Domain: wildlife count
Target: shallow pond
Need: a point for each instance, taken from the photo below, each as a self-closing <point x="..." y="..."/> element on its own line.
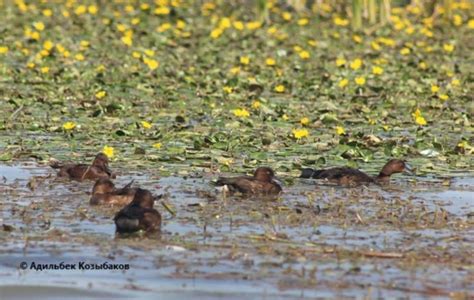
<point x="412" y="238"/>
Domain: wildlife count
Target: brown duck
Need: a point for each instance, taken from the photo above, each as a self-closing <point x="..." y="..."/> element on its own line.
<point x="139" y="214"/>
<point x="104" y="192"/>
<point x="98" y="169"/>
<point x="350" y="176"/>
<point x="262" y="182"/>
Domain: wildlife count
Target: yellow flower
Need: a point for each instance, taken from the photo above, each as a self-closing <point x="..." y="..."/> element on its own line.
<point x="343" y="83"/>
<point x="241" y="113"/>
<point x="92" y="9"/>
<point x="340" y="130"/>
<point x="109" y="151"/>
<point x="146" y="125"/>
<point x="3" y="49"/>
<point x="304" y="121"/>
<point x="443" y="97"/>
<point x="434" y="88"/>
<point x="375" y="46"/>
<point x="69" y="125"/>
<point x="47" y="12"/>
<point x="127" y="40"/>
<point x="470" y="24"/>
<point x="376" y="70"/>
<point x="180" y="24"/>
<point x="304" y="54"/>
<point x="245" y="60"/>
<point x="256" y="104"/>
<point x="340" y="61"/>
<point x="100" y="94"/>
<point x="457" y="20"/>
<point x="163" y="27"/>
<point x="356" y="64"/>
<point x="48" y="45"/>
<point x="448" y="48"/>
<point x="238" y="25"/>
<point x="44" y="70"/>
<point x="455" y="82"/>
<point x="157" y="145"/>
<point x="163" y="10"/>
<point x="136" y="54"/>
<point x="285" y="117"/>
<point x="280" y="88"/>
<point x="422" y="65"/>
<point x="312" y="43"/>
<point x="340" y="21"/>
<point x="151" y="63"/>
<point x="79" y="57"/>
<point x="228" y="89"/>
<point x="253" y="25"/>
<point x="360" y="80"/>
<point x="234" y="70"/>
<point x="419" y="119"/>
<point x="270" y="62"/>
<point x="39" y="26"/>
<point x="405" y="51"/>
<point x="216" y="33"/>
<point x="300" y="133"/>
<point x="357" y="38"/>
<point x="149" y="52"/>
<point x="286" y="16"/>
<point x="303" y="22"/>
<point x="81" y="9"/>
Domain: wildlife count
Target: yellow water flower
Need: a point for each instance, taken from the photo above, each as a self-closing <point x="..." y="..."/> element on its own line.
<point x="109" y="151"/>
<point x="343" y="83"/>
<point x="44" y="70"/>
<point x="81" y="9"/>
<point x="304" y="54"/>
<point x="79" y="57"/>
<point x="303" y="22"/>
<point x="241" y="113"/>
<point x="340" y="61"/>
<point x="280" y="88"/>
<point x="340" y="21"/>
<point x="455" y="82"/>
<point x="100" y="94"/>
<point x="238" y="25"/>
<point x="256" y="104"/>
<point x="163" y="10"/>
<point x="448" y="48"/>
<point x="405" y="51"/>
<point x="312" y="43"/>
<point x="163" y="27"/>
<point x="228" y="89"/>
<point x="376" y="70"/>
<point x="3" y="49"/>
<point x="422" y="65"/>
<point x="470" y="24"/>
<point x="92" y="9"/>
<point x="245" y="60"/>
<point x="234" y="70"/>
<point x="340" y="130"/>
<point x="360" y="80"/>
<point x="48" y="45"/>
<point x="444" y="97"/>
<point x="286" y="16"/>
<point x="300" y="133"/>
<point x="69" y="125"/>
<point x="304" y="121"/>
<point x="216" y="33"/>
<point x="434" y="88"/>
<point x="270" y="62"/>
<point x="419" y="119"/>
<point x="127" y="40"/>
<point x="157" y="145"/>
<point x="151" y="63"/>
<point x="357" y="38"/>
<point x="375" y="46"/>
<point x="146" y="124"/>
<point x="39" y="26"/>
<point x="356" y="64"/>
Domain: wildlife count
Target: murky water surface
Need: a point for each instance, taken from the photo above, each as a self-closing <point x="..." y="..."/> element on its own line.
<point x="413" y="238"/>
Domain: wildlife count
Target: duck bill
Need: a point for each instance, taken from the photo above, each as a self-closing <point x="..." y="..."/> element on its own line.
<point x="408" y="169"/>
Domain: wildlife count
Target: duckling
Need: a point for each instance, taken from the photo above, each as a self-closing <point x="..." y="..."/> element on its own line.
<point x="262" y="182"/>
<point x="350" y="176"/>
<point x="104" y="192"/>
<point x="98" y="169"/>
<point x="139" y="214"/>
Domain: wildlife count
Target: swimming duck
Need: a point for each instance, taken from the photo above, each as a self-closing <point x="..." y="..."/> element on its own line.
<point x="262" y="182"/>
<point x="98" y="169"/>
<point x="139" y="214"/>
<point x="104" y="191"/>
<point x="350" y="176"/>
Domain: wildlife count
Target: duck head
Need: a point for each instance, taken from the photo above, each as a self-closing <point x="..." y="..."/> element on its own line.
<point x="103" y="186"/>
<point x="264" y="174"/>
<point x="143" y="198"/>
<point x="394" y="166"/>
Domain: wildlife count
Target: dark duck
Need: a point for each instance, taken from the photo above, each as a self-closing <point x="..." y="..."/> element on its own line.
<point x="99" y="169"/>
<point x="104" y="192"/>
<point x="350" y="176"/>
<point x="139" y="214"/>
<point x="261" y="183"/>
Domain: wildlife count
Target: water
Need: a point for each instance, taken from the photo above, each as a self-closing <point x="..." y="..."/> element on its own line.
<point x="316" y="241"/>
